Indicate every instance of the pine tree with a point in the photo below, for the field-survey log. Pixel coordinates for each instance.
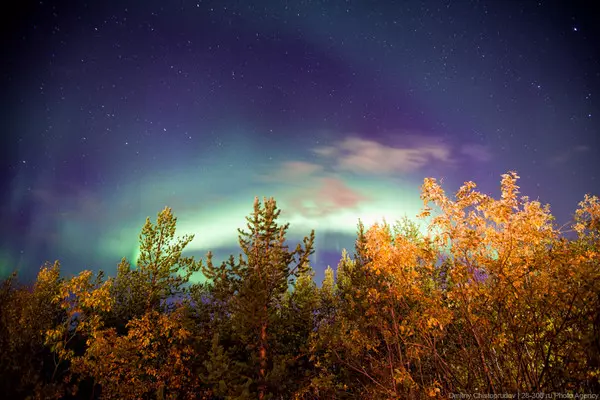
(266, 270)
(161, 264)
(293, 367)
(159, 275)
(257, 283)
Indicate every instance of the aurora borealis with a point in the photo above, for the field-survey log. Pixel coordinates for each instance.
(112, 110)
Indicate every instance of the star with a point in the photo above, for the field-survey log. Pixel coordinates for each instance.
(318, 104)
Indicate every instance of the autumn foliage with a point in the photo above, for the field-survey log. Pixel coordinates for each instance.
(478, 295)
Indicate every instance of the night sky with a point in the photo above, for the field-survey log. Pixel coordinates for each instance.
(112, 110)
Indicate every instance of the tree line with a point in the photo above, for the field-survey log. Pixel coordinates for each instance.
(491, 298)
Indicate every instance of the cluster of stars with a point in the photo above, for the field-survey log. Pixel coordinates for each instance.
(103, 96)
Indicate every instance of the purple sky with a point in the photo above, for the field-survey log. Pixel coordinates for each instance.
(338, 109)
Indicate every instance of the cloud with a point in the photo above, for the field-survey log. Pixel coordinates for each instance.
(569, 154)
(367, 156)
(325, 151)
(338, 194)
(477, 152)
(293, 171)
(332, 195)
(300, 169)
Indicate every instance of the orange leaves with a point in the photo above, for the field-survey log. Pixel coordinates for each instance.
(395, 258)
(509, 188)
(433, 392)
(83, 298)
(510, 275)
(433, 323)
(48, 276)
(484, 235)
(154, 354)
(82, 301)
(489, 299)
(587, 217)
(491, 286)
(401, 315)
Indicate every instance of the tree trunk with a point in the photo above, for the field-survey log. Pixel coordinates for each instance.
(262, 388)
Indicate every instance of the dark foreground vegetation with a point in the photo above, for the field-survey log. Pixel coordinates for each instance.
(491, 299)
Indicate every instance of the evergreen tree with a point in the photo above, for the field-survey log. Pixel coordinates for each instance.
(293, 367)
(160, 274)
(257, 284)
